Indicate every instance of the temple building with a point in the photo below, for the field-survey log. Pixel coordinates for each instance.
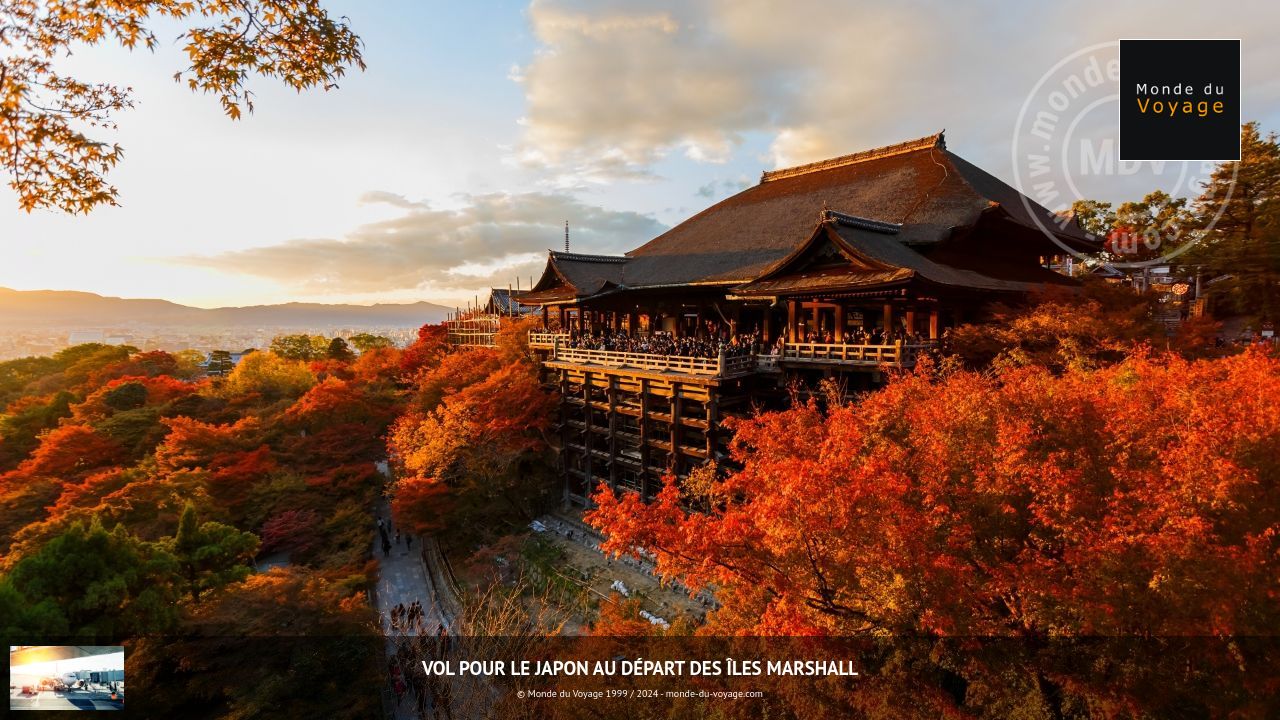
(836, 269)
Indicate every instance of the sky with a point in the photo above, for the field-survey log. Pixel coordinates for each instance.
(451, 164)
(109, 661)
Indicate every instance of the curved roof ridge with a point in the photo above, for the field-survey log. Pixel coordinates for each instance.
(930, 141)
(584, 257)
(842, 218)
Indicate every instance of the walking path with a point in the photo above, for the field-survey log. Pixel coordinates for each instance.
(402, 579)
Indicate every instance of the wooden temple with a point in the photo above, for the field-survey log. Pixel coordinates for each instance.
(837, 269)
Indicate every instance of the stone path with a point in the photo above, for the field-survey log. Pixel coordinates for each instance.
(402, 579)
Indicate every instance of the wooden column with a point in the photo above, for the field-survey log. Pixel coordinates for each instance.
(546, 317)
(564, 433)
(677, 409)
(792, 330)
(645, 488)
(613, 431)
(888, 318)
(616, 319)
(838, 335)
(911, 321)
(766, 332)
(933, 323)
(587, 424)
(713, 422)
(633, 323)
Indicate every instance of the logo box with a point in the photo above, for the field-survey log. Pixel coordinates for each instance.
(1180, 100)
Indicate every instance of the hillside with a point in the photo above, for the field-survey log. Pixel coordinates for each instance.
(21, 309)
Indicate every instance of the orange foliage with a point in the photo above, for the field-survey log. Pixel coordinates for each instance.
(620, 617)
(159, 390)
(377, 365)
(70, 451)
(193, 444)
(426, 351)
(1133, 499)
(335, 402)
(420, 504)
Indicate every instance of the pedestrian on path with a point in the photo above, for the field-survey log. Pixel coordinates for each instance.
(397, 537)
(408, 541)
(386, 548)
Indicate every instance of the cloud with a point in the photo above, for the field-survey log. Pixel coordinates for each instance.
(720, 188)
(617, 85)
(490, 240)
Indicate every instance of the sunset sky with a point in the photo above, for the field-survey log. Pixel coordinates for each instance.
(452, 163)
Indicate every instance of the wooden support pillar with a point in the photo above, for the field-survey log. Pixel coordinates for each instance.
(911, 322)
(615, 321)
(766, 331)
(646, 488)
(888, 318)
(933, 323)
(838, 335)
(677, 410)
(633, 323)
(793, 331)
(564, 434)
(713, 424)
(587, 423)
(546, 317)
(613, 431)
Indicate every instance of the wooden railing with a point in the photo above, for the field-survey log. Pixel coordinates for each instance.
(896, 354)
(547, 340)
(643, 361)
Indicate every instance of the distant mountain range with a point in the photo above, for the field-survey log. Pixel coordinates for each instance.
(34, 309)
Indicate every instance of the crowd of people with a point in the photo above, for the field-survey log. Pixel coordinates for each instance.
(705, 345)
(430, 693)
(711, 344)
(863, 336)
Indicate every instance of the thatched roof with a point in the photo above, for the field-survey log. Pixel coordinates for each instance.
(919, 185)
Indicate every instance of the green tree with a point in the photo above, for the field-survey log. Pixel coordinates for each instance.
(339, 350)
(46, 116)
(300, 346)
(1094, 216)
(190, 364)
(91, 581)
(1242, 247)
(210, 554)
(364, 342)
(268, 375)
(220, 363)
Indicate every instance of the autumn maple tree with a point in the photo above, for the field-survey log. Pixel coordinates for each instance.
(49, 120)
(1132, 499)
